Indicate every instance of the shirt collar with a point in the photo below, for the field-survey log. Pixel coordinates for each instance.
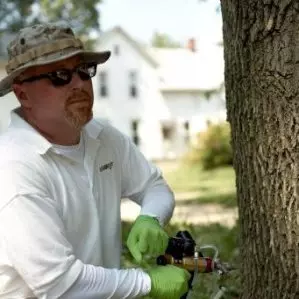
(40, 143)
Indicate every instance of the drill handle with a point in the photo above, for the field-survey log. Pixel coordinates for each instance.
(189, 263)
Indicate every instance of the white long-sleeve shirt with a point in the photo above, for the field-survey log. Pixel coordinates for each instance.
(60, 212)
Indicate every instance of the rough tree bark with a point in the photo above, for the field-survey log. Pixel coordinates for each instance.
(261, 50)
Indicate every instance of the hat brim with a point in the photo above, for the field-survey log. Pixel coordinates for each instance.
(87, 56)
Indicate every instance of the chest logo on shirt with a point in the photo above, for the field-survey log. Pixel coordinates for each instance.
(106, 166)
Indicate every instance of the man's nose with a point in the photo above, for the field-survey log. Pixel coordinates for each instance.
(76, 80)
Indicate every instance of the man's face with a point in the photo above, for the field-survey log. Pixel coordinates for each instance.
(67, 105)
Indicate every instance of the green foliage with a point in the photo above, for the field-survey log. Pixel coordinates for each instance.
(162, 40)
(14, 14)
(83, 16)
(224, 238)
(213, 147)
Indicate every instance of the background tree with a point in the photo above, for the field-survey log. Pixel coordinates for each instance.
(162, 40)
(14, 14)
(261, 46)
(83, 16)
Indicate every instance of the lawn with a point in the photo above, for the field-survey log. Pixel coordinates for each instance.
(201, 186)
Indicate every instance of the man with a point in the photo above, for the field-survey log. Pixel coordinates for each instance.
(62, 177)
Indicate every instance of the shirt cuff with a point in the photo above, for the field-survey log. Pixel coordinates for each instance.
(147, 283)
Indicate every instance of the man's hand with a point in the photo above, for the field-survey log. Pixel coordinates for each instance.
(146, 237)
(168, 282)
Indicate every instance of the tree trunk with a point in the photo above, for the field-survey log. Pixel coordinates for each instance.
(261, 51)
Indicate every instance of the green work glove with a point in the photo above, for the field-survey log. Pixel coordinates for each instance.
(168, 282)
(146, 237)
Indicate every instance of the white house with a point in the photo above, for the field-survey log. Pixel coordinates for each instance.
(159, 97)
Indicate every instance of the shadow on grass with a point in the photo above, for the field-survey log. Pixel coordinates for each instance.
(192, 188)
(227, 200)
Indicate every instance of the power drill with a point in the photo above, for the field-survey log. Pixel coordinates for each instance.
(181, 252)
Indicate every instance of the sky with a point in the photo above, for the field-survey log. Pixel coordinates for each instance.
(181, 19)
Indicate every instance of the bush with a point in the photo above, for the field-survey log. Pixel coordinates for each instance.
(213, 147)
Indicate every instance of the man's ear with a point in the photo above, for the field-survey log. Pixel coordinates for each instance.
(21, 94)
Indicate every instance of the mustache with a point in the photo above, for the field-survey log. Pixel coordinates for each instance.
(78, 95)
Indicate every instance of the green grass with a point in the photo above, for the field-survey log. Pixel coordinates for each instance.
(203, 186)
(227, 200)
(226, 240)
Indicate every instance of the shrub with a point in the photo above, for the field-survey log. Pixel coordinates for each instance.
(213, 147)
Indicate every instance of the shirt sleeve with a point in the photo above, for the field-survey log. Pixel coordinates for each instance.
(97, 282)
(143, 183)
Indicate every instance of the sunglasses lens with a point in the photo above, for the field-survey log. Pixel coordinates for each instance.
(87, 71)
(61, 77)
(92, 69)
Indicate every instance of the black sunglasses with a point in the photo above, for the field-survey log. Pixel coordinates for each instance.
(64, 76)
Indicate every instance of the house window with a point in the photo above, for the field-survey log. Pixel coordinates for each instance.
(133, 84)
(187, 132)
(135, 133)
(167, 130)
(116, 50)
(208, 94)
(103, 84)
(208, 122)
(186, 126)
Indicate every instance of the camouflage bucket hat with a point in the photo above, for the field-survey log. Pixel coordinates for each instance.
(43, 44)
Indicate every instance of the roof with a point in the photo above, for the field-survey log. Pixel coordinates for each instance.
(134, 43)
(180, 69)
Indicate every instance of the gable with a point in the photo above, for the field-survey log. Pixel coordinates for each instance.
(118, 34)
